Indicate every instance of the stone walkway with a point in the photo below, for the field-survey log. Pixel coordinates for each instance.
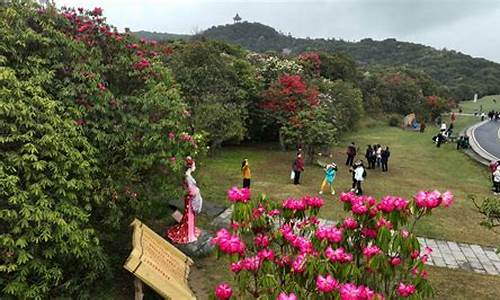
(447, 254)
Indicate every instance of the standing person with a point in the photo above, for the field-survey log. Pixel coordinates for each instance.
(453, 117)
(439, 139)
(247, 173)
(496, 180)
(422, 127)
(330, 172)
(368, 155)
(379, 155)
(385, 159)
(374, 157)
(351, 153)
(493, 167)
(482, 116)
(298, 167)
(359, 175)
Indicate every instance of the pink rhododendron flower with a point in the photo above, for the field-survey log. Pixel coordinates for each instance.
(266, 254)
(261, 240)
(326, 284)
(338, 255)
(406, 290)
(369, 233)
(299, 263)
(223, 291)
(273, 213)
(294, 204)
(142, 64)
(350, 291)
(332, 234)
(371, 251)
(350, 223)
(228, 243)
(384, 223)
(447, 198)
(238, 195)
(236, 267)
(347, 197)
(405, 233)
(251, 263)
(428, 250)
(359, 209)
(395, 261)
(171, 135)
(97, 11)
(313, 202)
(101, 86)
(415, 254)
(284, 296)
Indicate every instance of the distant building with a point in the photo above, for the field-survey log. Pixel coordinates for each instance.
(237, 18)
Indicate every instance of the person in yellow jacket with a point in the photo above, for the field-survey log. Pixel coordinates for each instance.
(247, 173)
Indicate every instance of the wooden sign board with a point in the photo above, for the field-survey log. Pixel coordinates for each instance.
(159, 264)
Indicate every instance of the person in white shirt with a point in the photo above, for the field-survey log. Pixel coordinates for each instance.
(359, 174)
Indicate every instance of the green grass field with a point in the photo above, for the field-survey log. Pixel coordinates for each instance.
(487, 103)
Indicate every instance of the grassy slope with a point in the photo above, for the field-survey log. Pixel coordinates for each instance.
(486, 102)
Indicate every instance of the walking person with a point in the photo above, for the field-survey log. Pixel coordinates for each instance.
(496, 180)
(298, 167)
(330, 172)
(368, 155)
(359, 174)
(351, 153)
(247, 173)
(385, 159)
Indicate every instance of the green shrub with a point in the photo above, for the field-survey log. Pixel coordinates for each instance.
(394, 121)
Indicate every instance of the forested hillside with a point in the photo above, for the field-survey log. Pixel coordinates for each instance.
(462, 74)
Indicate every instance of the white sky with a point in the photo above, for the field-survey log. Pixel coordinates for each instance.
(470, 26)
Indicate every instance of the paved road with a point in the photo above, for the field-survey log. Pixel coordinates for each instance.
(488, 137)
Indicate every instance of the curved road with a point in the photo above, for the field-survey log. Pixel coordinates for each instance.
(488, 137)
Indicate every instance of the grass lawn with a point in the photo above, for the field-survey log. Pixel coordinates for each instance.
(415, 164)
(486, 102)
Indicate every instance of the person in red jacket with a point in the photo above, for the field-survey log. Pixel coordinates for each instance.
(298, 167)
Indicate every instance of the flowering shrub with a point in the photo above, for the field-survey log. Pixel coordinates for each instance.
(282, 251)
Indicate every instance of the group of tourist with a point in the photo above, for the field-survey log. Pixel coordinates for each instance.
(443, 135)
(377, 157)
(493, 115)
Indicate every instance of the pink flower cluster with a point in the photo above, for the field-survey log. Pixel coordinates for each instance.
(303, 204)
(331, 233)
(350, 223)
(238, 195)
(371, 251)
(142, 64)
(228, 243)
(294, 204)
(430, 200)
(406, 290)
(299, 263)
(391, 203)
(326, 284)
(284, 296)
(360, 205)
(313, 202)
(350, 291)
(251, 264)
(338, 255)
(304, 245)
(223, 291)
(261, 241)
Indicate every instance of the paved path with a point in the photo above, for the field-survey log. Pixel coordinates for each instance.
(447, 254)
(488, 137)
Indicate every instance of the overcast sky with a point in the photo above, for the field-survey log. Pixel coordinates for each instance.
(470, 26)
